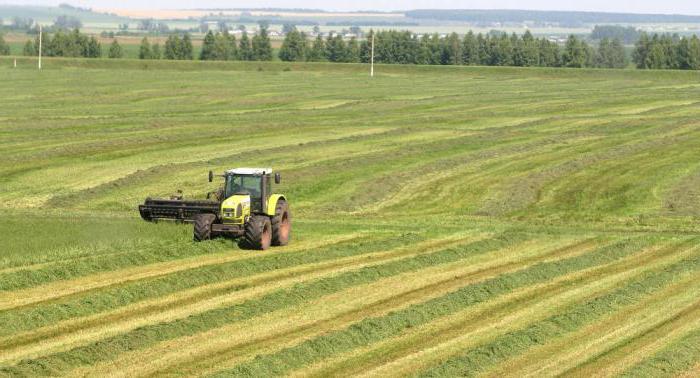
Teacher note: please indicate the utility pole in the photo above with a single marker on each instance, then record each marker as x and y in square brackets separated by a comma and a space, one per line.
[40, 36]
[371, 70]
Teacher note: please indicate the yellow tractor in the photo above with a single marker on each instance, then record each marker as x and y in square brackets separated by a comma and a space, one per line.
[244, 207]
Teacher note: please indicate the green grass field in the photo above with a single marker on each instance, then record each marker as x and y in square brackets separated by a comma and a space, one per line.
[448, 221]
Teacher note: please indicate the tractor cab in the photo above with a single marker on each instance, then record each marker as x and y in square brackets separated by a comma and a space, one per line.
[253, 183]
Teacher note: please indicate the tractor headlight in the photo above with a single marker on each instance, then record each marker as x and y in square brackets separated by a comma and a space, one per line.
[228, 213]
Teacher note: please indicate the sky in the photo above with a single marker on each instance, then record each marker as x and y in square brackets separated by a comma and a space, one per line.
[627, 6]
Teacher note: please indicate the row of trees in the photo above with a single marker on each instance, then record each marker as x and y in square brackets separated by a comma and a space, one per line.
[223, 46]
[404, 47]
[395, 47]
[65, 44]
[667, 52]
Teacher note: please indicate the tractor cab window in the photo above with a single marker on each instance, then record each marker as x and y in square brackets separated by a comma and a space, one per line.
[243, 185]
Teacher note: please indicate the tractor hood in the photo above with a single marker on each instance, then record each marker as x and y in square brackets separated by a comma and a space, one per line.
[235, 208]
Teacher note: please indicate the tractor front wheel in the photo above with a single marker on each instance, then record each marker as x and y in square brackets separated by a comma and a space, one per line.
[281, 224]
[202, 226]
[258, 232]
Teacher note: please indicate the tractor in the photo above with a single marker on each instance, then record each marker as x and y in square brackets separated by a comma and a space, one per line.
[244, 207]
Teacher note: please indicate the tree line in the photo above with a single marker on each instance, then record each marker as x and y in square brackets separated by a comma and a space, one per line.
[493, 49]
[395, 47]
[667, 52]
[65, 44]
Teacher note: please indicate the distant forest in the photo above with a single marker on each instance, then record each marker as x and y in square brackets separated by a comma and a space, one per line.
[545, 16]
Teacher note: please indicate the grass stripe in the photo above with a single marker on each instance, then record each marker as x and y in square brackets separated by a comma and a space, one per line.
[198, 300]
[481, 358]
[682, 356]
[414, 349]
[149, 335]
[147, 253]
[20, 298]
[372, 330]
[231, 349]
[23, 319]
[630, 336]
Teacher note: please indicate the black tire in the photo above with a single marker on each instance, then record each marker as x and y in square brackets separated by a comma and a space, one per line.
[202, 226]
[258, 232]
[281, 224]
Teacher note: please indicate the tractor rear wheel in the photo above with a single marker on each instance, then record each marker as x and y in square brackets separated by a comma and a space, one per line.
[258, 232]
[281, 224]
[202, 226]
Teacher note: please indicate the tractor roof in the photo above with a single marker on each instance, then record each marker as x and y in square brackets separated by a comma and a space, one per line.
[249, 171]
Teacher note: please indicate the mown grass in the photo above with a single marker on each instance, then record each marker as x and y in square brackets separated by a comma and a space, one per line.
[374, 329]
[415, 169]
[479, 359]
[145, 336]
[678, 357]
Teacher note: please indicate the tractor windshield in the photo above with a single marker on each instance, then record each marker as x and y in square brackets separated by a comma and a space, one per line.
[243, 184]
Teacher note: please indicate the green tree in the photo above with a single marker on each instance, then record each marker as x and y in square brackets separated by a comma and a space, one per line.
[657, 57]
[186, 50]
[29, 49]
[470, 49]
[156, 51]
[4, 47]
[575, 53]
[353, 53]
[115, 50]
[610, 54]
[262, 48]
[501, 51]
[245, 51]
[549, 54]
[642, 48]
[317, 53]
[335, 48]
[694, 53]
[452, 51]
[172, 47]
[232, 48]
[145, 49]
[529, 50]
[207, 52]
[293, 47]
[93, 48]
[484, 52]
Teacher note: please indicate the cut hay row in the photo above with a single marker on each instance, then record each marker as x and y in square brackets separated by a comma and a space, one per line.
[468, 271]
[332, 312]
[70, 333]
[631, 336]
[417, 347]
[573, 318]
[142, 337]
[64, 288]
[680, 358]
[372, 330]
[109, 298]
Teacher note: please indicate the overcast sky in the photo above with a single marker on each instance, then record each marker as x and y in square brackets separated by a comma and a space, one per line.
[631, 6]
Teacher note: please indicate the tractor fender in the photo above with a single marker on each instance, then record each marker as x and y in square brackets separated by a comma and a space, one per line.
[272, 203]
